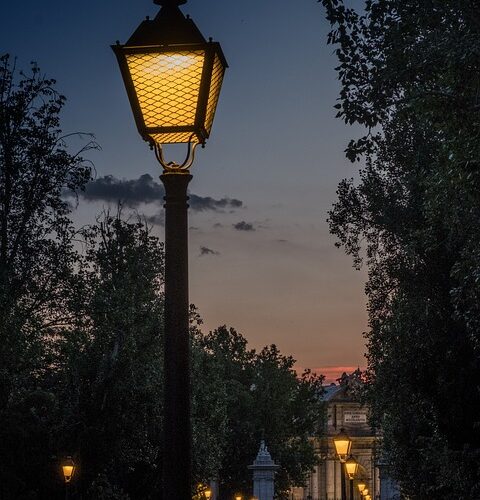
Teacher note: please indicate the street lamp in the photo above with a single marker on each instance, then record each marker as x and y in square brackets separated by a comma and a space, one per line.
[361, 487]
[173, 78]
[351, 467]
[207, 493]
[343, 445]
[68, 470]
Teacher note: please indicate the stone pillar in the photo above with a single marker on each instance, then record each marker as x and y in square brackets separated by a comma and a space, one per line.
[264, 469]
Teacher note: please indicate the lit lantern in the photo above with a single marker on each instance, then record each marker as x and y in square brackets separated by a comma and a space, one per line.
[173, 77]
[351, 466]
[342, 444]
[238, 497]
[68, 469]
[361, 487]
[208, 493]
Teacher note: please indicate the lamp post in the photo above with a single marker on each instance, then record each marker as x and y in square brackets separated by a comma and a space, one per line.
[351, 467]
[68, 470]
[173, 78]
[343, 445]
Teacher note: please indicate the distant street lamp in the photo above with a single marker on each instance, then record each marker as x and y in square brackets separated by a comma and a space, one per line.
[68, 470]
[238, 497]
[173, 78]
[361, 486]
[351, 468]
[343, 445]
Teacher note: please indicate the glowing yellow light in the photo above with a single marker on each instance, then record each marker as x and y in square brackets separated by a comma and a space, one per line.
[342, 445]
[351, 467]
[238, 497]
[167, 86]
[365, 492]
[361, 487]
[214, 94]
[208, 493]
[68, 469]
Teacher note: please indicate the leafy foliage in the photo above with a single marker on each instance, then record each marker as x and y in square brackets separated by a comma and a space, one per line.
[36, 257]
[264, 399]
[409, 73]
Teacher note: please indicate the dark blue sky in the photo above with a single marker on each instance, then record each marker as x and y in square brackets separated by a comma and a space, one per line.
[275, 146]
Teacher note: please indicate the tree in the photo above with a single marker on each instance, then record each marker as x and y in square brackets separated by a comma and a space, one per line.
[108, 365]
[409, 74]
[36, 256]
[264, 399]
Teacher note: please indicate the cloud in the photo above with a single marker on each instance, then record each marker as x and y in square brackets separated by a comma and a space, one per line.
[244, 226]
[133, 192]
[199, 203]
[208, 251]
[130, 192]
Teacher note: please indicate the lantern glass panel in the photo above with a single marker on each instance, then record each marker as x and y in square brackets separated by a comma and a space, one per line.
[342, 446]
[351, 467]
[67, 472]
[167, 86]
[214, 94]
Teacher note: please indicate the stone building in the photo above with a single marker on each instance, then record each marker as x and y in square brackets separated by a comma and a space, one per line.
[345, 412]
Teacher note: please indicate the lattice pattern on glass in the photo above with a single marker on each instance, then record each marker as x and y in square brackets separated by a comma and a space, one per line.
[215, 86]
[171, 138]
[167, 86]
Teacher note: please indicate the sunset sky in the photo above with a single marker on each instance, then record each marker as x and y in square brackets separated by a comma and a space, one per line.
[261, 257]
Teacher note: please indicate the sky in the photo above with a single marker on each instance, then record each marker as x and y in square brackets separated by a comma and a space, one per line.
[261, 256]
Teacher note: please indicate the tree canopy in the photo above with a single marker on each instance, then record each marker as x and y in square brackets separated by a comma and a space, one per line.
[409, 74]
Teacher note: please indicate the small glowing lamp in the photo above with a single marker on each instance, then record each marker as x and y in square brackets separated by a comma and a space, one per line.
[238, 497]
[68, 469]
[351, 466]
[361, 487]
[342, 444]
[208, 493]
[365, 492]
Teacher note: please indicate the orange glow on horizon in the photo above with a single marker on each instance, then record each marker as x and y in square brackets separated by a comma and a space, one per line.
[332, 373]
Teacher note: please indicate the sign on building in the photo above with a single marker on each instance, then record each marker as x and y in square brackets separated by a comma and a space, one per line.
[355, 417]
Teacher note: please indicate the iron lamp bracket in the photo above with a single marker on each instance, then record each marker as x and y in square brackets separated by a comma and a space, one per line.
[172, 167]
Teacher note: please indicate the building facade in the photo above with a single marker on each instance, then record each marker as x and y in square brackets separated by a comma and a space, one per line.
[345, 412]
